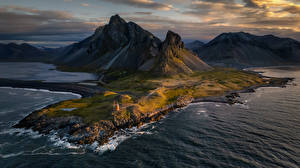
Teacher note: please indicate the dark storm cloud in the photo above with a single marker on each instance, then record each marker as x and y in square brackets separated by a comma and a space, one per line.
[292, 9]
[19, 23]
[250, 3]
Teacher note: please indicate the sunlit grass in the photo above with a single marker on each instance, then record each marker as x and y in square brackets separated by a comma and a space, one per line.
[145, 93]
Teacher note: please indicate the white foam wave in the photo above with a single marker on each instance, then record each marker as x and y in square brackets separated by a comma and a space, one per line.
[5, 156]
[62, 142]
[243, 106]
[57, 154]
[202, 111]
[121, 136]
[12, 93]
[4, 144]
[21, 132]
[35, 153]
[200, 103]
[5, 112]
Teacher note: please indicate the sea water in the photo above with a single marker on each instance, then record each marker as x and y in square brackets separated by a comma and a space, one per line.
[264, 132]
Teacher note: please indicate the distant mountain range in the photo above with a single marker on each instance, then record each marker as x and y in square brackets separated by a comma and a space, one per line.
[125, 45]
[243, 50]
[194, 45]
[22, 52]
[121, 45]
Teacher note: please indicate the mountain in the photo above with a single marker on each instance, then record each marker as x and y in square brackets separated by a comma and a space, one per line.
[121, 45]
[242, 50]
[116, 45]
[22, 52]
[194, 45]
[174, 58]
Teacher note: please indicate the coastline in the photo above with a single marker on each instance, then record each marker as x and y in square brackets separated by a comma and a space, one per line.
[43, 90]
[230, 97]
[83, 90]
[80, 132]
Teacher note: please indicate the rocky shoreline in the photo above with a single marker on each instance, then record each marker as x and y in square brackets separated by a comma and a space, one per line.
[79, 132]
[231, 97]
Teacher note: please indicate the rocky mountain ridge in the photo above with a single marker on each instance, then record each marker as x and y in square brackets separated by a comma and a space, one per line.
[243, 50]
[121, 45]
[194, 45]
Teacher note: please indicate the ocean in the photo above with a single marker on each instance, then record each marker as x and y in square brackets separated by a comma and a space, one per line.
[264, 132]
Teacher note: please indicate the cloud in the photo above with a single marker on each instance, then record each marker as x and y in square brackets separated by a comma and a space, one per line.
[143, 13]
[251, 15]
[150, 4]
[196, 19]
[250, 3]
[292, 9]
[20, 23]
[159, 25]
[84, 4]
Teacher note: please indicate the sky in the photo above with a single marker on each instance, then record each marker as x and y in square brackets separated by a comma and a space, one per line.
[54, 23]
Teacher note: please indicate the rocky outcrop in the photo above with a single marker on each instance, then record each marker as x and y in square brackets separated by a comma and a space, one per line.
[79, 132]
[242, 50]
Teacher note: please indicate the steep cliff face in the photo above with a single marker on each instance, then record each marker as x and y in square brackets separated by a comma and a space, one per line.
[126, 46]
[174, 58]
[118, 45]
[246, 50]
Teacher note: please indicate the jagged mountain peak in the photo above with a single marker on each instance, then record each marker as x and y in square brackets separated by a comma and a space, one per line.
[122, 45]
[173, 39]
[116, 20]
[175, 59]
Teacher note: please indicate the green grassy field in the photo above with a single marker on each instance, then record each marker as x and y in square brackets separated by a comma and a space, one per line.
[144, 93]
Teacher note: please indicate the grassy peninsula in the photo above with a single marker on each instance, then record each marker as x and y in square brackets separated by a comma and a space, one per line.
[144, 93]
[132, 99]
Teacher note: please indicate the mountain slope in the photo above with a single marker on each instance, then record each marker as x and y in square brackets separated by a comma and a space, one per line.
[22, 52]
[176, 59]
[126, 46]
[242, 50]
[194, 45]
